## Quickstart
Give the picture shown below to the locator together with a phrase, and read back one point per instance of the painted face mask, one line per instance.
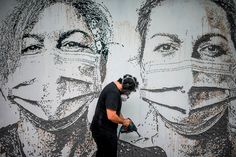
(190, 96)
(58, 73)
(188, 71)
(54, 94)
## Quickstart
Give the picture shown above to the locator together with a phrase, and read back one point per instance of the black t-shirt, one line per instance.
(108, 99)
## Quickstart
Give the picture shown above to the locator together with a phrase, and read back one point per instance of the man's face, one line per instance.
(59, 68)
(187, 64)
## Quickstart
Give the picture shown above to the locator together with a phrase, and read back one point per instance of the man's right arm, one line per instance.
(112, 116)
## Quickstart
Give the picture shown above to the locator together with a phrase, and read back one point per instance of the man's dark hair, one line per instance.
(129, 83)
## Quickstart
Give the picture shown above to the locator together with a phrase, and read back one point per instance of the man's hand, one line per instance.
(112, 116)
(127, 122)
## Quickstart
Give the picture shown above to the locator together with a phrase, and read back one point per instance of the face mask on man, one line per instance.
(124, 97)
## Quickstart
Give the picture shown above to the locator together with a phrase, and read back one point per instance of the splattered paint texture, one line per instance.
(193, 52)
(55, 56)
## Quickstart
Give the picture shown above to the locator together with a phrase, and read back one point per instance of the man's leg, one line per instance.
(106, 144)
(111, 146)
(100, 144)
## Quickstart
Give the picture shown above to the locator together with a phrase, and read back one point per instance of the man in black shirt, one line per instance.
(107, 115)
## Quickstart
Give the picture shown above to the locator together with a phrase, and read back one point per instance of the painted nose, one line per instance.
(169, 75)
(53, 64)
(211, 74)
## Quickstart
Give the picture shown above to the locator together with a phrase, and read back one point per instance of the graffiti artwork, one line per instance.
(188, 70)
(56, 55)
(52, 71)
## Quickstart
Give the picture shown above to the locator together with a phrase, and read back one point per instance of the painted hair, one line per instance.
(26, 14)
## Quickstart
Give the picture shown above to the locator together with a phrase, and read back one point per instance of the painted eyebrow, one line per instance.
(174, 37)
(207, 37)
(36, 37)
(68, 34)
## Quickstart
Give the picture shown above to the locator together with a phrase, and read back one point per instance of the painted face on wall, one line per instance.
(58, 73)
(187, 64)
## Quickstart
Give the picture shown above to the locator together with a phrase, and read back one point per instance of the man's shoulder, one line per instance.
(111, 87)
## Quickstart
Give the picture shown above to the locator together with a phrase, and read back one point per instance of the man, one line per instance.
(107, 115)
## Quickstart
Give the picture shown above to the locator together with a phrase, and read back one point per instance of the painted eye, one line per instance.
(166, 49)
(73, 46)
(211, 51)
(32, 50)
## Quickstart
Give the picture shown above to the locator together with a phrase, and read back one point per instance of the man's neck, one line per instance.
(118, 85)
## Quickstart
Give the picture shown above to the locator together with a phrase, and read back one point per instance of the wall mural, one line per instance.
(52, 71)
(56, 55)
(188, 68)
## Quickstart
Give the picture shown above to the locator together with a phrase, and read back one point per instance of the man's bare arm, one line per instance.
(112, 116)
